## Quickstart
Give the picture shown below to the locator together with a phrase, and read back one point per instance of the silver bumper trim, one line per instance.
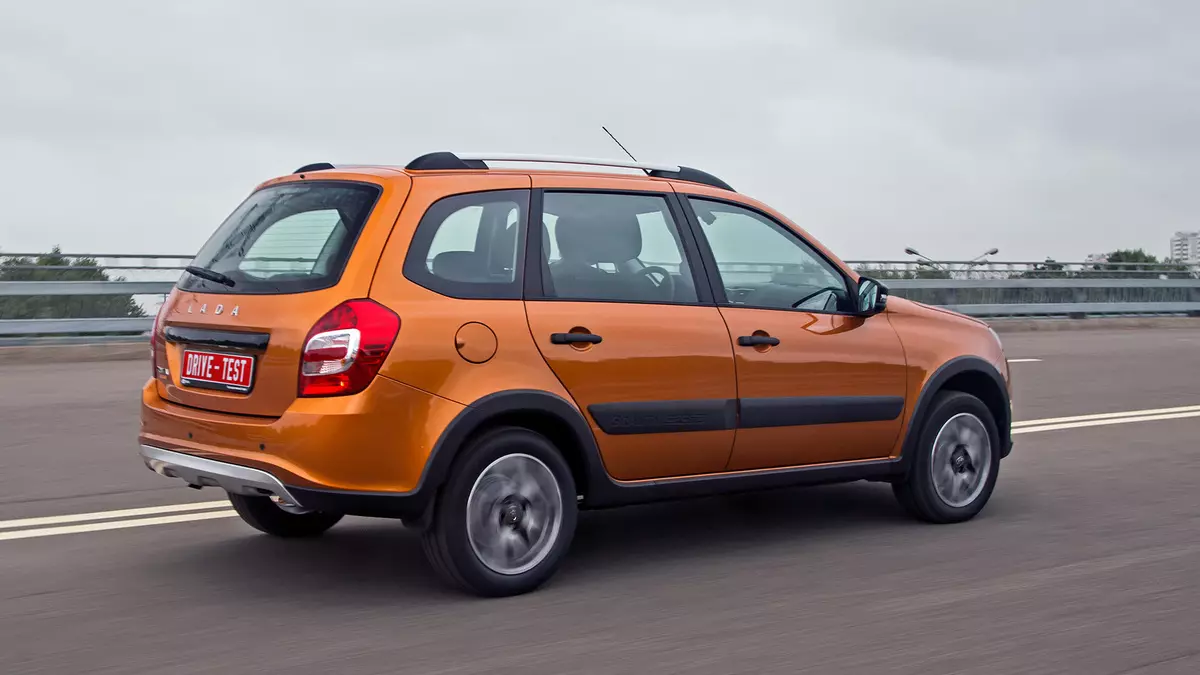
(203, 472)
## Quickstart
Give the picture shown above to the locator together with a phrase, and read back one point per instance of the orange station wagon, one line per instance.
(483, 352)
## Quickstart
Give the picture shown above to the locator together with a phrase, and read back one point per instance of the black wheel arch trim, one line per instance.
(414, 503)
(493, 406)
(598, 487)
(936, 382)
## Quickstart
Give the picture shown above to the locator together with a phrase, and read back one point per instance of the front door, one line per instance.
(815, 383)
(618, 315)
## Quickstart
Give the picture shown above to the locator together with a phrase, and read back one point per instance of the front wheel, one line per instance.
(957, 461)
(290, 522)
(505, 517)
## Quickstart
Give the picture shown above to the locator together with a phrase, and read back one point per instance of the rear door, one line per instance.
(616, 311)
(231, 334)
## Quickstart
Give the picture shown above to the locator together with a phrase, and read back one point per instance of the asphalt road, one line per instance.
(1086, 560)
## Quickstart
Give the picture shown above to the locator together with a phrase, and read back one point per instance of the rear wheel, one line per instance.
(957, 461)
(505, 517)
(265, 515)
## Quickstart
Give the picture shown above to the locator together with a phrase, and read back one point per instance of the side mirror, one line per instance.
(872, 297)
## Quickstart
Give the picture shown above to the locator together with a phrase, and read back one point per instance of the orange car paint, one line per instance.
(818, 355)
(451, 353)
(933, 336)
(426, 355)
(376, 441)
(649, 353)
(286, 317)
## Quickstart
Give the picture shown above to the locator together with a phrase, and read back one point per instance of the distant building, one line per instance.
(1096, 258)
(1185, 247)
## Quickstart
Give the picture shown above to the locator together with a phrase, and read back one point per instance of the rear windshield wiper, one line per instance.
(210, 275)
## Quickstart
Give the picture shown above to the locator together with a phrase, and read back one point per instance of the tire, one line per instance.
(511, 486)
(964, 465)
(265, 516)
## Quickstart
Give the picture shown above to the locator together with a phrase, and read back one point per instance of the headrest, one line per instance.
(459, 266)
(593, 240)
(502, 250)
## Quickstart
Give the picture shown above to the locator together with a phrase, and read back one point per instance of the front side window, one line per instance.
(469, 246)
(613, 247)
(287, 238)
(762, 264)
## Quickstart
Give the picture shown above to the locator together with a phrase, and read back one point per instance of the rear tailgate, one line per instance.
(292, 251)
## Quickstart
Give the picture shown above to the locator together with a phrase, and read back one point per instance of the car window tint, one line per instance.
(287, 238)
(293, 244)
(614, 247)
(469, 245)
(660, 241)
(762, 264)
(457, 232)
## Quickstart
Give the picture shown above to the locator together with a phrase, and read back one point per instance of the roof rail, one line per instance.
(553, 159)
(690, 175)
(315, 166)
(442, 161)
(450, 161)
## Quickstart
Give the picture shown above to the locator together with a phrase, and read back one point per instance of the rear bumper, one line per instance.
(201, 472)
(378, 441)
(244, 480)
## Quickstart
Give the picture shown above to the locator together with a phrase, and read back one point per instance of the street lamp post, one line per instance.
(930, 262)
(923, 259)
(981, 257)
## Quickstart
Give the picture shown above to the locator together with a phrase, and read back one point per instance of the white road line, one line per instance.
(110, 515)
(1104, 422)
(1024, 360)
(219, 509)
(115, 525)
(1106, 416)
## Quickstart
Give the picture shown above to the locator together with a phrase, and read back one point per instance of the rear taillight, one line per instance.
(346, 348)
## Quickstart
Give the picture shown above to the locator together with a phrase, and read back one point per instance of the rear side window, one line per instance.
(288, 238)
(471, 246)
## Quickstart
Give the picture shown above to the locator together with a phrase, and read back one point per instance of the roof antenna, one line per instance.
(619, 145)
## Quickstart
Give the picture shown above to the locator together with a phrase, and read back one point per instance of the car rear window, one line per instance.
(288, 238)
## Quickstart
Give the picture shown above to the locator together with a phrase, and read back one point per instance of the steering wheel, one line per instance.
(667, 283)
(810, 296)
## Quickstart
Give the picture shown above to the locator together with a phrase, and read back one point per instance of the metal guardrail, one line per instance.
(1077, 309)
(910, 284)
(14, 288)
(974, 269)
(986, 290)
(90, 326)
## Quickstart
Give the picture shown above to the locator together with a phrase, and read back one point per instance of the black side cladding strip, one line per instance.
(661, 417)
(205, 337)
(795, 411)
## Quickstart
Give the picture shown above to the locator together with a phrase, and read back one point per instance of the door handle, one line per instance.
(755, 340)
(574, 338)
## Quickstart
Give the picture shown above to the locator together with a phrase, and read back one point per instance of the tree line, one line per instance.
(54, 266)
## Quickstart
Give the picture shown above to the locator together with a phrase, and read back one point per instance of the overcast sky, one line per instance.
(1043, 127)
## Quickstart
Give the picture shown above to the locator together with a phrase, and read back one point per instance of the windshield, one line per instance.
(288, 238)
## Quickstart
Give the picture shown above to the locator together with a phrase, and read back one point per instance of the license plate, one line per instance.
(213, 370)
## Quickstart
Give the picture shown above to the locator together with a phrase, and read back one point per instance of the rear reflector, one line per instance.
(346, 348)
(156, 340)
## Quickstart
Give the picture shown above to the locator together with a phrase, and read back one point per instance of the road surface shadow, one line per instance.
(377, 561)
